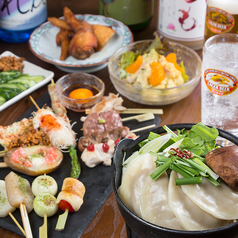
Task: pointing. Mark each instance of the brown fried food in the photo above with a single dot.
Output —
(59, 23)
(22, 134)
(63, 39)
(84, 41)
(11, 63)
(103, 35)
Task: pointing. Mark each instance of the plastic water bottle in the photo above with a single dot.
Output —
(18, 19)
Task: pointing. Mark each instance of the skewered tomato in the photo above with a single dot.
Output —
(63, 205)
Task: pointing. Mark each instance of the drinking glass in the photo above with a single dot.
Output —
(219, 82)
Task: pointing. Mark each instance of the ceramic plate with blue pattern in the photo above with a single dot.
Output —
(43, 44)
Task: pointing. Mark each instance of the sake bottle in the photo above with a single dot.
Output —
(136, 14)
(18, 19)
(183, 21)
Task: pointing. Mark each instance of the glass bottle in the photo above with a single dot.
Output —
(221, 17)
(19, 18)
(136, 14)
(183, 21)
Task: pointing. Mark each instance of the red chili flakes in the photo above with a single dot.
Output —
(181, 154)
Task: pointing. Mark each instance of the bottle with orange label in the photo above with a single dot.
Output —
(221, 17)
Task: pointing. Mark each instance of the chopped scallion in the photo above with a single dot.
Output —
(185, 181)
(160, 170)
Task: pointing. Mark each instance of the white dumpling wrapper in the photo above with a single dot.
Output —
(191, 216)
(154, 203)
(220, 201)
(133, 181)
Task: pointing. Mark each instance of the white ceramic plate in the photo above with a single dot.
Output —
(32, 70)
(42, 43)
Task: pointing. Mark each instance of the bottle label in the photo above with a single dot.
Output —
(219, 82)
(130, 12)
(219, 21)
(19, 15)
(182, 20)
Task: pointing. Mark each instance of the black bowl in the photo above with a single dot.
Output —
(143, 228)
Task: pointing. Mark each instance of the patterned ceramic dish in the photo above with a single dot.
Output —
(32, 70)
(42, 43)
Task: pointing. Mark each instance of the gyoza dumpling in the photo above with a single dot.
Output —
(133, 181)
(191, 216)
(220, 201)
(5, 206)
(154, 203)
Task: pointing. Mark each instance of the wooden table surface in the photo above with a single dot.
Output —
(108, 222)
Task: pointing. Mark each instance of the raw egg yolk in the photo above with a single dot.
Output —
(81, 93)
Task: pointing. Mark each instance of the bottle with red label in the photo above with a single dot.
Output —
(221, 17)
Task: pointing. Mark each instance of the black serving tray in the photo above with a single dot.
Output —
(97, 182)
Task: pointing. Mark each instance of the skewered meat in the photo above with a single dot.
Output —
(34, 160)
(100, 127)
(98, 153)
(84, 41)
(22, 134)
(59, 131)
(224, 162)
(56, 105)
(5, 206)
(19, 191)
(71, 196)
(110, 102)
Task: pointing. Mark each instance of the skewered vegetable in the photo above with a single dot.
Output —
(45, 203)
(44, 184)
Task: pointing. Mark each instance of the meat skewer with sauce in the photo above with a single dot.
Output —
(20, 196)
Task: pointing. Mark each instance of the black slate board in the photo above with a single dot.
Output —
(96, 180)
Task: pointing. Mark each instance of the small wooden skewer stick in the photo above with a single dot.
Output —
(2, 153)
(25, 221)
(16, 222)
(61, 221)
(43, 228)
(3, 165)
(52, 81)
(34, 102)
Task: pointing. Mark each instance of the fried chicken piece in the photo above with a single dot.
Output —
(63, 39)
(103, 34)
(84, 41)
(59, 23)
